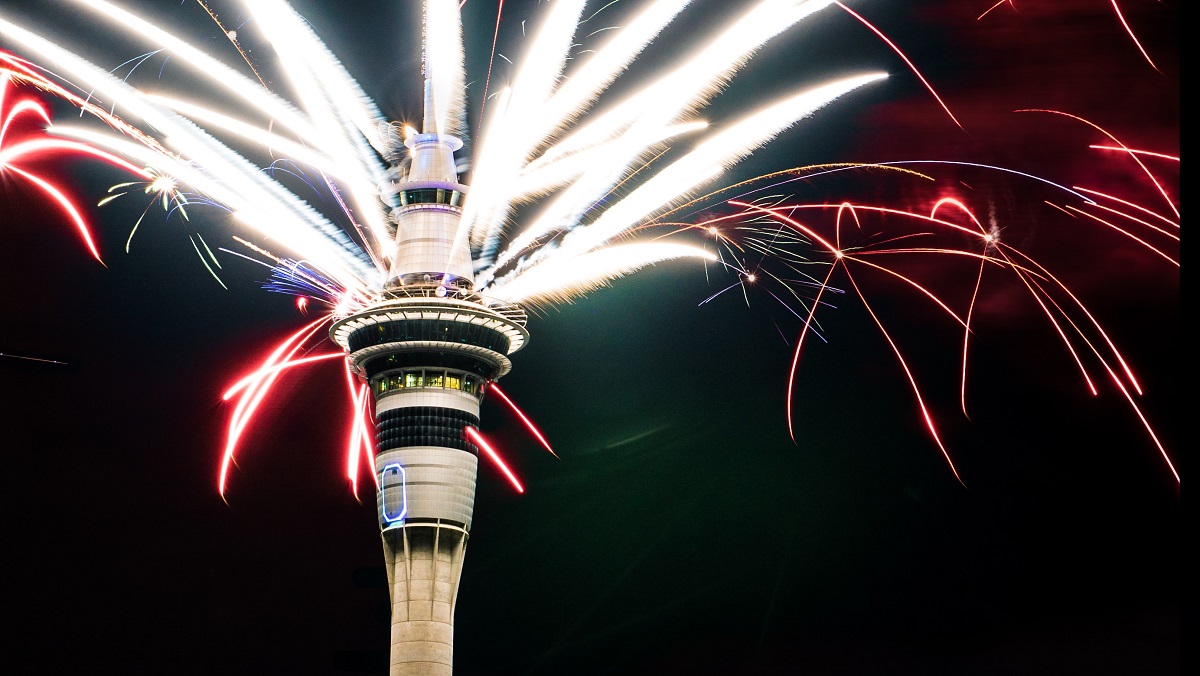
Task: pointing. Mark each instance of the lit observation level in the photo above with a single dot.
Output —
(428, 345)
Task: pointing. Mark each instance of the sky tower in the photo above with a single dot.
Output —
(428, 345)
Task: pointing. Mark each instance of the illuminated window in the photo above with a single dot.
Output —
(469, 384)
(431, 196)
(453, 382)
(413, 380)
(434, 379)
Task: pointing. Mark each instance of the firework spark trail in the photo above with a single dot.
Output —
(294, 150)
(1132, 36)
(54, 192)
(1162, 191)
(27, 150)
(1051, 309)
(262, 203)
(477, 438)
(841, 258)
(272, 213)
(908, 373)
(989, 9)
(563, 106)
(359, 444)
(1131, 205)
(1134, 151)
(26, 71)
(487, 82)
(645, 113)
(589, 80)
(986, 238)
(534, 147)
(946, 201)
(36, 359)
(336, 105)
(445, 67)
(804, 331)
(256, 391)
(493, 387)
(200, 158)
(908, 62)
(539, 182)
(1120, 18)
(721, 150)
(165, 192)
(1113, 376)
(1125, 232)
(203, 65)
(1022, 271)
(358, 393)
(1130, 217)
(561, 278)
(255, 377)
(502, 154)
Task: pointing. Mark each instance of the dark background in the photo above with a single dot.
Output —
(682, 531)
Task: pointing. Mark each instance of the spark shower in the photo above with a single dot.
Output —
(569, 189)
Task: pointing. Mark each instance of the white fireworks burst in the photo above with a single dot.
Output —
(548, 143)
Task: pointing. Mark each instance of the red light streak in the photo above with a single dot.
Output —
(1131, 205)
(478, 439)
(1132, 151)
(1116, 140)
(1125, 24)
(989, 9)
(359, 442)
(911, 66)
(254, 377)
(36, 148)
(841, 258)
(1033, 276)
(492, 387)
(1135, 219)
(262, 379)
(1128, 234)
(962, 387)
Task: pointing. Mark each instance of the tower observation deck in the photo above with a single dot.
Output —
(428, 346)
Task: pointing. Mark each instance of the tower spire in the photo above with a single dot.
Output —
(429, 123)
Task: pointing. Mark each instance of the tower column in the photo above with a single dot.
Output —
(424, 563)
(427, 352)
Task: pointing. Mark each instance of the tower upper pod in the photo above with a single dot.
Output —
(430, 212)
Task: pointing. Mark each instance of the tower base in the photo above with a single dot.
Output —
(424, 565)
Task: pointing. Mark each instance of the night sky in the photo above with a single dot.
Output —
(682, 531)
